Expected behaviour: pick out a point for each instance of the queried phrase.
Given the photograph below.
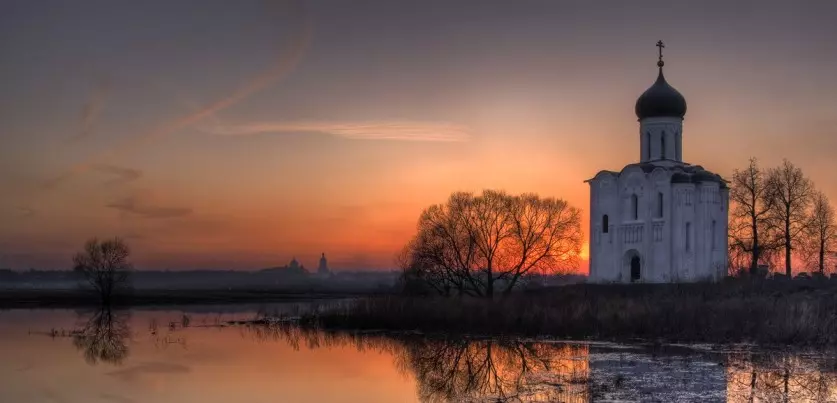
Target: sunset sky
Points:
(221, 134)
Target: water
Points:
(192, 356)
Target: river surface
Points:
(184, 355)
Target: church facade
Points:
(661, 219)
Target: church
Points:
(659, 220)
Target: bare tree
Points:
(790, 194)
(474, 244)
(751, 204)
(105, 266)
(821, 232)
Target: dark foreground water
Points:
(170, 356)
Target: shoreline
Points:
(74, 298)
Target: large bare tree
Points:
(821, 231)
(790, 193)
(483, 244)
(105, 267)
(751, 204)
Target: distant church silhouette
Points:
(661, 219)
(323, 267)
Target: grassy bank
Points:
(773, 312)
(71, 298)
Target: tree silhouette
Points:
(821, 231)
(748, 231)
(790, 193)
(480, 244)
(105, 267)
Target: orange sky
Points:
(329, 128)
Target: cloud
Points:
(26, 212)
(135, 206)
(116, 398)
(150, 368)
(283, 64)
(92, 109)
(395, 130)
(122, 174)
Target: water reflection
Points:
(303, 364)
(503, 370)
(781, 378)
(104, 337)
(461, 369)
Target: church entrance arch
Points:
(633, 265)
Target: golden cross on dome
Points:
(660, 45)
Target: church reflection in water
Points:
(501, 370)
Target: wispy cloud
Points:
(116, 398)
(26, 212)
(397, 130)
(283, 64)
(122, 174)
(138, 207)
(92, 109)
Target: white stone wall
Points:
(661, 139)
(666, 252)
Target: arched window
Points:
(660, 205)
(688, 236)
(647, 145)
(678, 146)
(634, 207)
(663, 145)
(605, 224)
(713, 235)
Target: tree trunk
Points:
(788, 270)
(754, 265)
(822, 257)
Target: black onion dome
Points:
(660, 100)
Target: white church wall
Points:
(654, 130)
(683, 232)
(632, 183)
(604, 201)
(659, 245)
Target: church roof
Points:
(696, 174)
(681, 173)
(661, 99)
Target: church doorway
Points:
(635, 269)
(632, 265)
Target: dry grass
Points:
(772, 312)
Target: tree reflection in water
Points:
(482, 370)
(781, 377)
(464, 370)
(103, 337)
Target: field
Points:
(765, 311)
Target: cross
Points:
(661, 45)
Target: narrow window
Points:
(647, 145)
(634, 207)
(660, 205)
(713, 235)
(688, 236)
(663, 145)
(605, 224)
